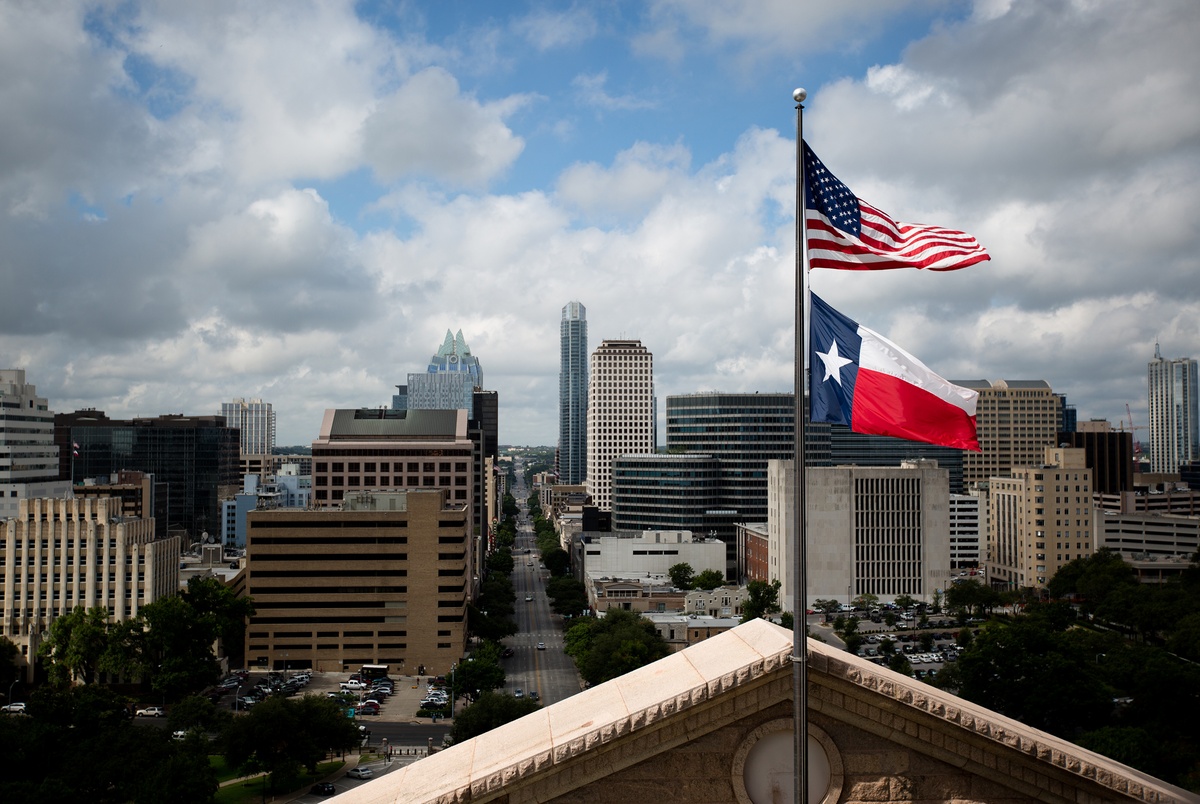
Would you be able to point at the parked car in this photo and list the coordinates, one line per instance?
(13, 707)
(179, 734)
(359, 773)
(323, 789)
(151, 711)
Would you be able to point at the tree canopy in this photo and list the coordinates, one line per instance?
(492, 709)
(762, 599)
(681, 575)
(282, 735)
(111, 758)
(613, 645)
(708, 580)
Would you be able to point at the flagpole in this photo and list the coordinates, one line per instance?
(799, 524)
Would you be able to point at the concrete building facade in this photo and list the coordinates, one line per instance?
(1040, 518)
(59, 554)
(572, 394)
(651, 553)
(29, 457)
(621, 412)
(966, 537)
(1174, 406)
(781, 513)
(879, 531)
(383, 579)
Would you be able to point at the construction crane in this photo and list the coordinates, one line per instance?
(1137, 445)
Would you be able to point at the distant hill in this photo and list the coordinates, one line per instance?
(301, 450)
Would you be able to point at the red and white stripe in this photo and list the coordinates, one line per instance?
(887, 244)
(897, 395)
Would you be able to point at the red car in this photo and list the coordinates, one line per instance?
(368, 709)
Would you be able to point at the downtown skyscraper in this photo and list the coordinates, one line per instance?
(620, 417)
(255, 420)
(573, 395)
(1174, 424)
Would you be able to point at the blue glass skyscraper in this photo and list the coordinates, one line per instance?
(573, 395)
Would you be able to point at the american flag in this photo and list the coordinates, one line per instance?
(848, 233)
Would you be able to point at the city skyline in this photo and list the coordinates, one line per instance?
(293, 203)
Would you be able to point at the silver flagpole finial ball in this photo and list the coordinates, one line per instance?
(799, 95)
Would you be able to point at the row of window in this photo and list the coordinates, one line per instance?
(412, 481)
(369, 466)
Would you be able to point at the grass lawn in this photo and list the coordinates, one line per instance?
(251, 790)
(224, 772)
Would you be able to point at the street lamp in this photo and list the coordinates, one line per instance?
(453, 689)
(10, 686)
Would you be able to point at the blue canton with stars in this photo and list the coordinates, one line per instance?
(824, 193)
(833, 349)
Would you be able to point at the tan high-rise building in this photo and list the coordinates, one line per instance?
(1015, 420)
(60, 554)
(383, 579)
(1040, 518)
(621, 409)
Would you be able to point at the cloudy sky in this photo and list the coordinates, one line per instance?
(295, 201)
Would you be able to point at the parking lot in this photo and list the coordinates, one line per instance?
(399, 707)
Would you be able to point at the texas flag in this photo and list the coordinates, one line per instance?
(861, 379)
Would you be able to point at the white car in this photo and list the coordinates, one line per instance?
(151, 711)
(13, 707)
(359, 773)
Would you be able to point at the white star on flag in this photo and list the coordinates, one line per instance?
(833, 363)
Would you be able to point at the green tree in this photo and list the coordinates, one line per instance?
(282, 735)
(198, 713)
(788, 620)
(866, 601)
(762, 599)
(1029, 672)
(491, 710)
(9, 672)
(681, 575)
(75, 645)
(708, 580)
(501, 561)
(568, 596)
(899, 663)
(111, 758)
(905, 602)
(178, 647)
(617, 643)
(557, 561)
(478, 673)
(220, 611)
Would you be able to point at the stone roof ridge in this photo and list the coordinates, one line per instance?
(487, 767)
(556, 734)
(1123, 780)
